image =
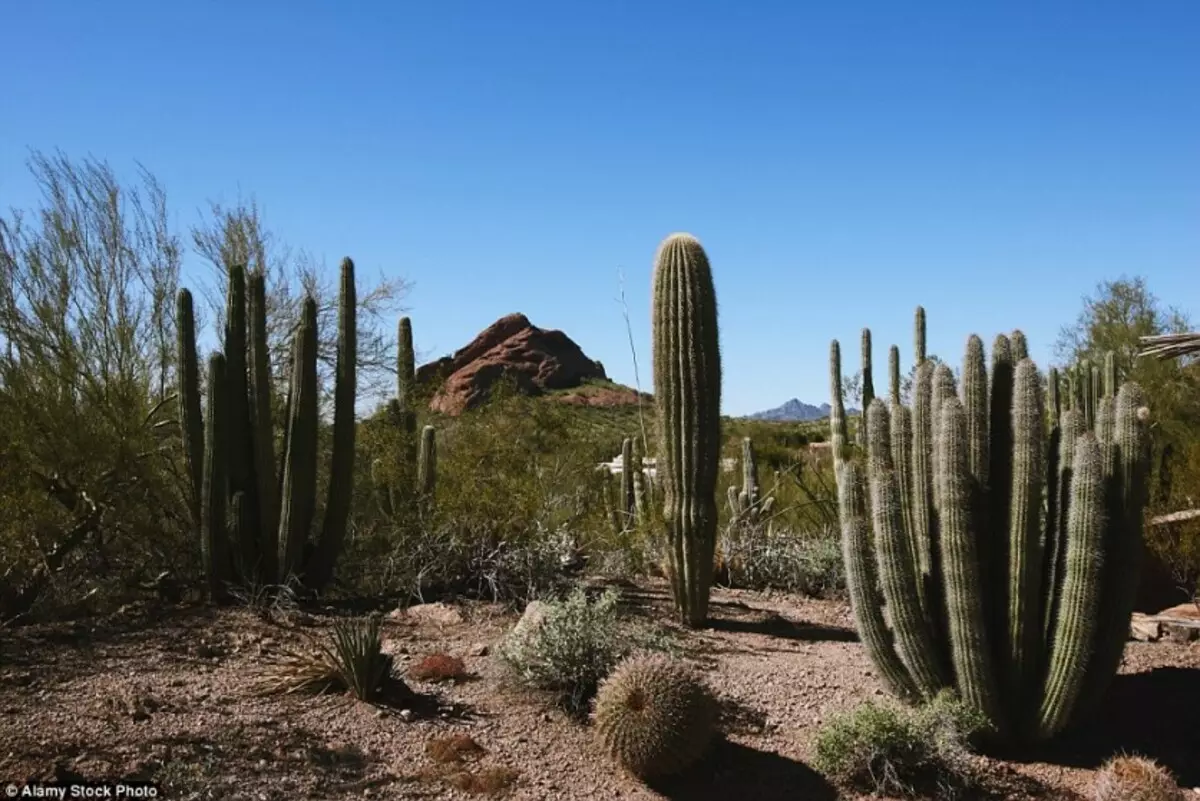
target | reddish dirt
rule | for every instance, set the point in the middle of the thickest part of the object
(166, 694)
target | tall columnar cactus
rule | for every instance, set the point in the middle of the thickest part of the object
(642, 487)
(267, 539)
(628, 493)
(427, 467)
(687, 394)
(868, 387)
(992, 547)
(191, 423)
(214, 543)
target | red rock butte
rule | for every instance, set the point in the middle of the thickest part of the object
(537, 360)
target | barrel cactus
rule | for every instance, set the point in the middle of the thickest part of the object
(687, 394)
(655, 716)
(992, 546)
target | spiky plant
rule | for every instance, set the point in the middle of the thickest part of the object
(266, 543)
(1134, 778)
(986, 552)
(353, 661)
(655, 716)
(687, 394)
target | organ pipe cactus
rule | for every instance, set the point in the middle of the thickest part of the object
(267, 541)
(990, 547)
(687, 394)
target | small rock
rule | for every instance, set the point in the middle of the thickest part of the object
(479, 649)
(439, 613)
(1144, 629)
(1181, 632)
(406, 715)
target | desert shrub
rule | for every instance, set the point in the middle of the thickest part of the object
(1134, 778)
(761, 556)
(569, 647)
(894, 750)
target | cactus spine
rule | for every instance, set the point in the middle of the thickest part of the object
(687, 394)
(264, 541)
(1000, 552)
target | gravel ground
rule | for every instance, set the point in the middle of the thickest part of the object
(165, 694)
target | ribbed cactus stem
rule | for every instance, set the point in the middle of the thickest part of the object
(922, 482)
(298, 494)
(191, 423)
(839, 438)
(319, 570)
(970, 651)
(919, 335)
(687, 393)
(214, 537)
(868, 386)
(406, 401)
(749, 471)
(427, 473)
(893, 551)
(1020, 346)
(1123, 540)
(975, 405)
(1110, 375)
(240, 442)
(628, 501)
(1053, 403)
(263, 428)
(866, 602)
(640, 501)
(1058, 507)
(1075, 625)
(894, 374)
(1025, 551)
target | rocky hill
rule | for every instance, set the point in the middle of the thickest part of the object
(538, 360)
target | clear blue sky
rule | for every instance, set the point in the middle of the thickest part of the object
(841, 162)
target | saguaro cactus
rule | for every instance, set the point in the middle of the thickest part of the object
(1004, 551)
(687, 394)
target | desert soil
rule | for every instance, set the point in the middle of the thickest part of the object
(166, 694)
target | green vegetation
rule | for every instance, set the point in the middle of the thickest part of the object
(211, 442)
(1006, 553)
(918, 752)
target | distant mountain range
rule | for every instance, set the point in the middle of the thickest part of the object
(796, 411)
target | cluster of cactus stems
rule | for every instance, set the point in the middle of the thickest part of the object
(992, 541)
(418, 454)
(746, 505)
(687, 396)
(628, 505)
(255, 517)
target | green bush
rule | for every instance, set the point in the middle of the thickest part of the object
(567, 647)
(893, 750)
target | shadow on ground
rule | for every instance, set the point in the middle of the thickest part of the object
(772, 625)
(1153, 713)
(736, 771)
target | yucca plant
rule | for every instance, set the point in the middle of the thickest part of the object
(353, 660)
(991, 547)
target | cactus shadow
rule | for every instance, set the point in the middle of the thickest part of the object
(1152, 713)
(772, 625)
(733, 770)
